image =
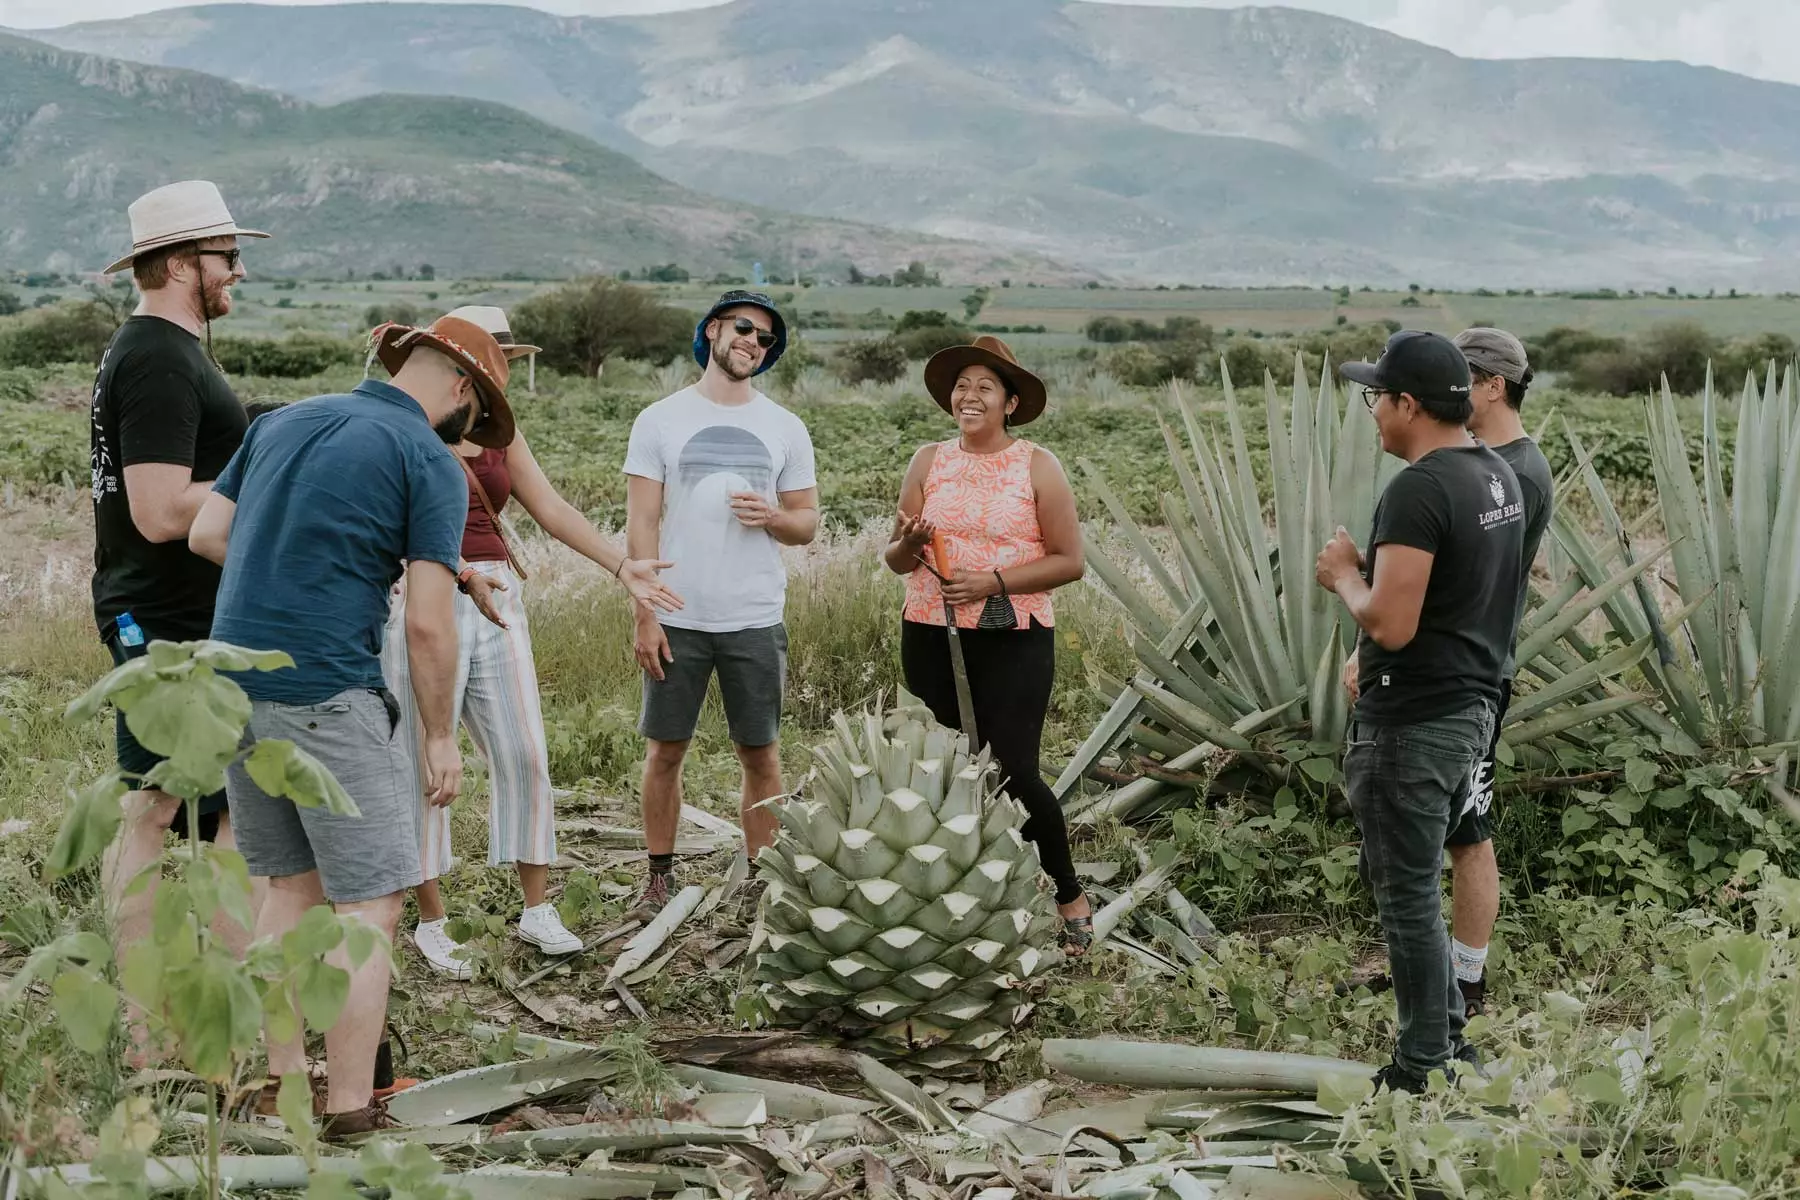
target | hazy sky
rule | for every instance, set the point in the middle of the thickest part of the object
(1753, 37)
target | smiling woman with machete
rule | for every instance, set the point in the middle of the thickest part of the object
(986, 529)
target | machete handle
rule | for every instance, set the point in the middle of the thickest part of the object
(941, 552)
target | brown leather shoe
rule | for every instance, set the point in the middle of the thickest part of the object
(339, 1127)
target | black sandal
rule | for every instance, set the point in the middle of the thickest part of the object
(1077, 936)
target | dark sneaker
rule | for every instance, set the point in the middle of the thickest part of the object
(339, 1127)
(1396, 1078)
(1474, 996)
(655, 896)
(1465, 1051)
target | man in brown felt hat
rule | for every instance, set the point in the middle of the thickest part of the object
(312, 520)
(164, 424)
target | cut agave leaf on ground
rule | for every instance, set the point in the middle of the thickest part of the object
(506, 1182)
(482, 1090)
(240, 1173)
(526, 1043)
(734, 1109)
(618, 1135)
(1176, 1066)
(647, 941)
(785, 1101)
(1260, 1183)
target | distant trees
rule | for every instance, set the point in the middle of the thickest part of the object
(582, 324)
(873, 360)
(10, 303)
(74, 331)
(1631, 366)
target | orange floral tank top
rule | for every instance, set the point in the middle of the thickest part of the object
(986, 508)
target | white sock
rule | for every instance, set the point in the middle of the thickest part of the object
(1468, 962)
(441, 921)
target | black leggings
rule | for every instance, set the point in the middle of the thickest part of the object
(1010, 672)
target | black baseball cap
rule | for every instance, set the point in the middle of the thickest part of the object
(1426, 366)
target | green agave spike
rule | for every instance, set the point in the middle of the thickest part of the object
(977, 955)
(928, 781)
(883, 902)
(911, 734)
(867, 800)
(883, 1004)
(1002, 814)
(862, 855)
(825, 886)
(961, 837)
(904, 819)
(846, 737)
(831, 780)
(904, 948)
(838, 931)
(927, 981)
(980, 1035)
(816, 988)
(813, 824)
(963, 795)
(858, 971)
(801, 951)
(1010, 926)
(951, 916)
(925, 871)
(940, 744)
(875, 742)
(987, 880)
(787, 908)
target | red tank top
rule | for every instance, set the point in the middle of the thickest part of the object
(481, 540)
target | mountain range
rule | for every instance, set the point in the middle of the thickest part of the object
(390, 180)
(1251, 145)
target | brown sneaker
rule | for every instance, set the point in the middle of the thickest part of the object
(340, 1127)
(266, 1097)
(655, 896)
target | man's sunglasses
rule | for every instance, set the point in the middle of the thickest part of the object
(481, 408)
(232, 257)
(744, 326)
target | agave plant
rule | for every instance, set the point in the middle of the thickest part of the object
(904, 911)
(1727, 666)
(1239, 649)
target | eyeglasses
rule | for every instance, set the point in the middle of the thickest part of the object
(1372, 397)
(481, 408)
(232, 257)
(744, 326)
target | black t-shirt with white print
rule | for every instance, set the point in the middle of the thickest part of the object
(157, 399)
(1464, 506)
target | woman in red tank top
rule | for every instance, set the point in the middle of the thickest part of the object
(496, 692)
(1004, 512)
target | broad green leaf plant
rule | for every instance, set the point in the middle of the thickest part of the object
(180, 701)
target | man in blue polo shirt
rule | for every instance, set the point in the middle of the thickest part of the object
(311, 521)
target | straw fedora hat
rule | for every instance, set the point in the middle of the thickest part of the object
(494, 321)
(189, 211)
(996, 355)
(472, 348)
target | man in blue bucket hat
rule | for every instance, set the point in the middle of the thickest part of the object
(719, 477)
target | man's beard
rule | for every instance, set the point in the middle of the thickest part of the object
(213, 302)
(721, 353)
(450, 428)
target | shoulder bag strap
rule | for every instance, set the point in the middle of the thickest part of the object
(487, 506)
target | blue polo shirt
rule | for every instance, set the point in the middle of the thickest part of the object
(332, 493)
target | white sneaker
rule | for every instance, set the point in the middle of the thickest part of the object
(543, 928)
(434, 942)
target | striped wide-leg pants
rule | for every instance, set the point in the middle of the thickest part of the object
(497, 702)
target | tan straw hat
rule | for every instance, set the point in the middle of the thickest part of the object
(494, 321)
(189, 211)
(474, 350)
(991, 352)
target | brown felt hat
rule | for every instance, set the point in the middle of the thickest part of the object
(472, 348)
(985, 351)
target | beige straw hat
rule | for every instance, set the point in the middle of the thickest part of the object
(180, 212)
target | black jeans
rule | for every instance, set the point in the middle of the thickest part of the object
(1010, 673)
(1406, 785)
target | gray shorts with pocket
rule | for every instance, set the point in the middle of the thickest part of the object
(353, 735)
(752, 667)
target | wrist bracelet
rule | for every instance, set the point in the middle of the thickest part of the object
(462, 579)
(619, 568)
(1001, 579)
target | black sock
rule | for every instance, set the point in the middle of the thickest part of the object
(662, 864)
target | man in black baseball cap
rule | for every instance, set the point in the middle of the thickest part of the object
(1434, 602)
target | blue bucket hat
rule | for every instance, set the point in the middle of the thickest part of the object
(739, 299)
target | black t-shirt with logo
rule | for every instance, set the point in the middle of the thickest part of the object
(157, 399)
(1537, 483)
(1464, 506)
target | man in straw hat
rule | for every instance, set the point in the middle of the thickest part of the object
(164, 424)
(311, 522)
(719, 478)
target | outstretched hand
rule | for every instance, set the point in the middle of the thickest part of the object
(914, 533)
(642, 578)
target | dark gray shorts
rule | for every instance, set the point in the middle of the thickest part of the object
(358, 858)
(752, 667)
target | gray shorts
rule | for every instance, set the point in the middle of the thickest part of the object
(752, 667)
(358, 858)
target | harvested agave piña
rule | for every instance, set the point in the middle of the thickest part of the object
(904, 912)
